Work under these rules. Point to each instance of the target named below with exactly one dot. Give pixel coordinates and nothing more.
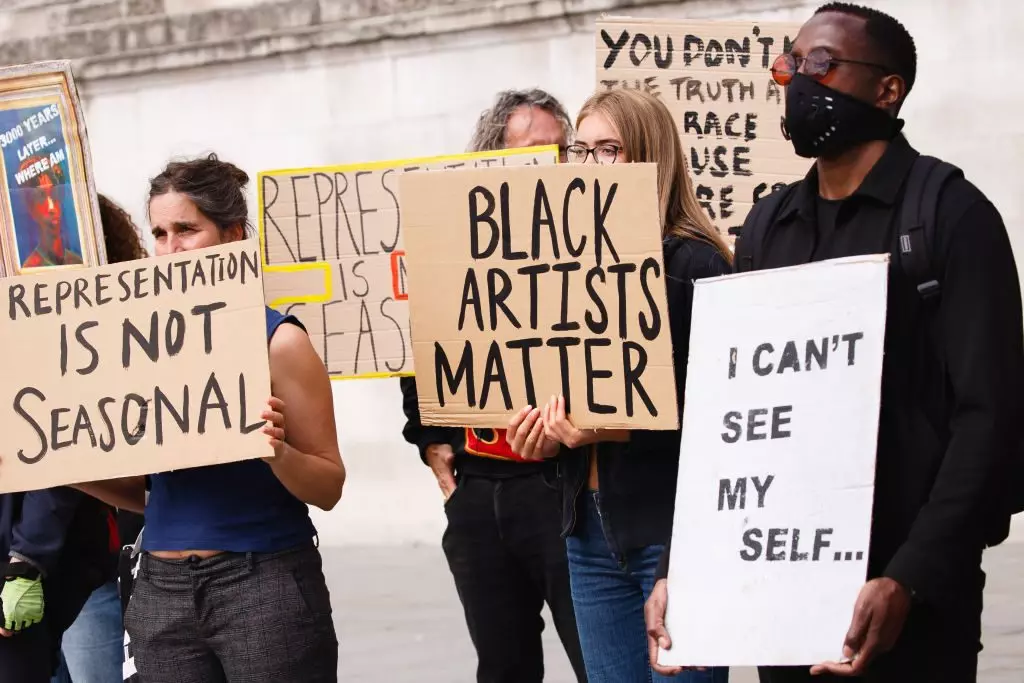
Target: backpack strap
(754, 232)
(918, 222)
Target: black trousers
(240, 617)
(939, 644)
(32, 655)
(506, 553)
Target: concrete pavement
(400, 621)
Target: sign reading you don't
(133, 368)
(777, 461)
(532, 282)
(715, 78)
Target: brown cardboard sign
(133, 368)
(531, 282)
(715, 78)
(334, 255)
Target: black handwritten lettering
(213, 388)
(494, 371)
(632, 373)
(476, 217)
(463, 373)
(564, 324)
(20, 410)
(363, 212)
(401, 337)
(593, 374)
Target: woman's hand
(525, 435)
(558, 427)
(274, 429)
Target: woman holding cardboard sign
(616, 530)
(230, 585)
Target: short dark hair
(890, 40)
(216, 187)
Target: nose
(174, 244)
(50, 204)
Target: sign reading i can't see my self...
(133, 368)
(532, 282)
(335, 255)
(715, 78)
(777, 462)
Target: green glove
(22, 603)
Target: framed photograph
(49, 213)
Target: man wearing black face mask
(953, 372)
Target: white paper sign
(776, 472)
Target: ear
(891, 91)
(236, 233)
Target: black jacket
(952, 375)
(57, 530)
(638, 478)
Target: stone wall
(119, 37)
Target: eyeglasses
(603, 154)
(818, 64)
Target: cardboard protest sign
(133, 368)
(777, 462)
(715, 78)
(530, 282)
(49, 216)
(334, 255)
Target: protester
(616, 531)
(70, 539)
(952, 374)
(92, 647)
(503, 541)
(230, 584)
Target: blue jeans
(93, 648)
(609, 589)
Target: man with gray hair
(503, 542)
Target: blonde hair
(649, 135)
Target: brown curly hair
(120, 235)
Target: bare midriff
(185, 554)
(592, 480)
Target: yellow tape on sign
(333, 252)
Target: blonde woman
(618, 487)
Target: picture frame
(49, 210)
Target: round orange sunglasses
(819, 64)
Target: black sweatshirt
(951, 379)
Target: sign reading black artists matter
(777, 461)
(537, 281)
(133, 368)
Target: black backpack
(918, 223)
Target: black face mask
(822, 122)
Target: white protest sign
(777, 464)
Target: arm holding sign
(306, 460)
(980, 342)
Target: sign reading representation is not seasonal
(777, 462)
(334, 255)
(532, 282)
(133, 368)
(715, 78)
